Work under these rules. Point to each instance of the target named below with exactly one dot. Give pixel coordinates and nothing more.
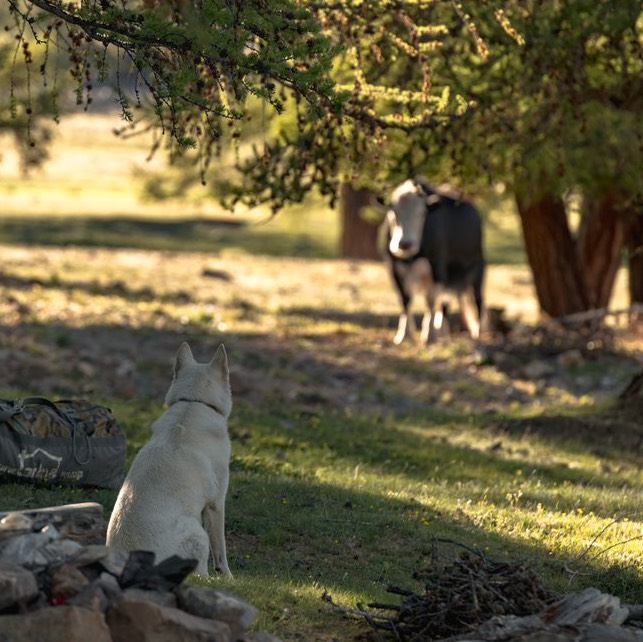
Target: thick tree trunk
(634, 243)
(359, 236)
(600, 245)
(559, 282)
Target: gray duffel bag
(71, 441)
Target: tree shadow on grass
(179, 235)
(417, 450)
(114, 287)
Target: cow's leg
(406, 323)
(439, 308)
(477, 295)
(427, 319)
(469, 312)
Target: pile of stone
(57, 589)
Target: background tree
(546, 102)
(560, 127)
(194, 64)
(544, 98)
(199, 64)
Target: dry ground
(311, 332)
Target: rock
(17, 585)
(206, 602)
(25, 549)
(99, 594)
(163, 599)
(107, 558)
(15, 523)
(64, 592)
(537, 369)
(134, 619)
(140, 571)
(61, 624)
(71, 520)
(67, 581)
(570, 358)
(58, 551)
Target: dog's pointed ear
(220, 361)
(183, 357)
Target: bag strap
(9, 408)
(19, 405)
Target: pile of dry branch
(472, 597)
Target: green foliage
(553, 106)
(517, 92)
(195, 65)
(25, 107)
(352, 70)
(530, 95)
(386, 64)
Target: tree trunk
(559, 282)
(359, 236)
(634, 244)
(600, 244)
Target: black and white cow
(434, 246)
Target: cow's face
(405, 218)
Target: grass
(350, 455)
(341, 504)
(89, 195)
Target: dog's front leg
(214, 523)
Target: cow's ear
(423, 186)
(378, 203)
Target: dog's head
(208, 383)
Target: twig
(597, 314)
(446, 540)
(589, 546)
(625, 541)
(369, 618)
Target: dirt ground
(619, 426)
(313, 334)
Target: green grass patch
(338, 504)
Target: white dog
(172, 501)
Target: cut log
(83, 522)
(588, 616)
